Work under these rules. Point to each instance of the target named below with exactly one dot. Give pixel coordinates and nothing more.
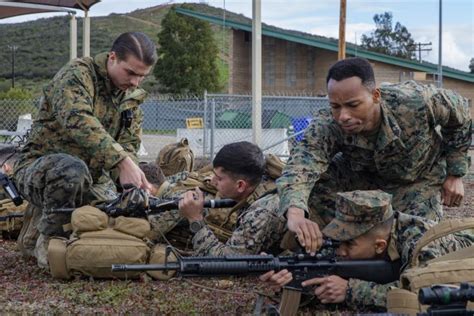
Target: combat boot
(41, 251)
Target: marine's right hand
(130, 173)
(307, 231)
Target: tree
(187, 56)
(388, 40)
(471, 65)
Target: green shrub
(16, 94)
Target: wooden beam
(342, 31)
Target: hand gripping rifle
(446, 300)
(302, 266)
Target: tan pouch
(94, 253)
(403, 302)
(158, 256)
(274, 166)
(452, 268)
(88, 218)
(137, 227)
(57, 248)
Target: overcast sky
(321, 17)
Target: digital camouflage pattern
(59, 180)
(77, 139)
(258, 228)
(80, 114)
(357, 212)
(405, 233)
(250, 227)
(424, 136)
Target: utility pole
(440, 46)
(13, 48)
(257, 71)
(342, 31)
(418, 47)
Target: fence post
(204, 138)
(213, 126)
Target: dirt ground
(26, 289)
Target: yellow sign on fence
(194, 122)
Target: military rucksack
(97, 242)
(177, 157)
(11, 217)
(452, 268)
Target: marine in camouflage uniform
(424, 136)
(252, 226)
(85, 127)
(359, 212)
(258, 228)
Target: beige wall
(296, 68)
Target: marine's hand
(330, 289)
(192, 204)
(308, 233)
(130, 173)
(276, 281)
(452, 191)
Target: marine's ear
(380, 245)
(376, 95)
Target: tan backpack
(177, 157)
(13, 221)
(96, 243)
(452, 268)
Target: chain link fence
(214, 120)
(208, 121)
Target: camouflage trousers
(58, 181)
(421, 198)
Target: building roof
(13, 8)
(240, 22)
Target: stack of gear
(11, 219)
(98, 241)
(452, 268)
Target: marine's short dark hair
(353, 67)
(153, 173)
(242, 159)
(137, 44)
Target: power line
(418, 47)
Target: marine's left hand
(452, 191)
(330, 289)
(192, 205)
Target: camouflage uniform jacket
(424, 134)
(258, 228)
(80, 114)
(406, 231)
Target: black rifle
(12, 215)
(154, 206)
(9, 187)
(302, 266)
(446, 300)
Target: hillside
(43, 44)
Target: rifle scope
(445, 295)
